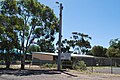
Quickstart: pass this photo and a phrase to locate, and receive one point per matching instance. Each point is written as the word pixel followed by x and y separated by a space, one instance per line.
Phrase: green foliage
pixel 23 21
pixel 80 65
pixel 65 46
pixel 8 6
pixel 80 40
pixel 115 43
pixel 112 52
pixel 114 49
pixel 34 48
pixel 9 30
pixel 99 51
pixel 47 65
pixel 45 45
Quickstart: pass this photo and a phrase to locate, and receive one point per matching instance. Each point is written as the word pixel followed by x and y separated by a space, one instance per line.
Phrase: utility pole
pixel 60 37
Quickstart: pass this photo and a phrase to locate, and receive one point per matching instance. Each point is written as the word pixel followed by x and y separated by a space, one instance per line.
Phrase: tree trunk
pixel 22 66
pixel 23 49
pixel 7 60
pixel 23 61
pixel 7 64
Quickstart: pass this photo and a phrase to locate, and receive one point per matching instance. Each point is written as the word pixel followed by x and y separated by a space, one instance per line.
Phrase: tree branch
pixel 32 29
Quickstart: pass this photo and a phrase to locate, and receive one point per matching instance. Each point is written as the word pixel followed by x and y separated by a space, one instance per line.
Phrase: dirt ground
pixel 54 75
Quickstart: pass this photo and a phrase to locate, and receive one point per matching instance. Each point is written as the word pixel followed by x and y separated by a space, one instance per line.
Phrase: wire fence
pixel 41 64
pixel 96 64
pixel 103 65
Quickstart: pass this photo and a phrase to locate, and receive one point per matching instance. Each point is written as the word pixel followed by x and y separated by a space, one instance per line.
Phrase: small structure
pixel 46 57
pixel 43 57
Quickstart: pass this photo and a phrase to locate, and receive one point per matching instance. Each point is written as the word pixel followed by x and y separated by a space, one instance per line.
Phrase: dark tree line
pixel 112 51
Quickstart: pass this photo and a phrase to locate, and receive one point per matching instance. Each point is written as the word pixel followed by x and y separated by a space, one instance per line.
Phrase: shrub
pixel 50 65
pixel 80 65
pixel 54 66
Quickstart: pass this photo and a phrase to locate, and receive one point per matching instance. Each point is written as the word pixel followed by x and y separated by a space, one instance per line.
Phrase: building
pixel 46 57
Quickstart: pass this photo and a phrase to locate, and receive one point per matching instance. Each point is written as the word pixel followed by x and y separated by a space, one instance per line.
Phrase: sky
pixel 100 19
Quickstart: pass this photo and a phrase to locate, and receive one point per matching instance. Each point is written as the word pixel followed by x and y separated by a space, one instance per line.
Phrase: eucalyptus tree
pixel 65 46
pixel 45 45
pixel 99 51
pixel 114 49
pixel 113 52
pixel 80 42
pixel 9 37
pixel 33 48
pixel 10 24
pixel 115 43
pixel 39 22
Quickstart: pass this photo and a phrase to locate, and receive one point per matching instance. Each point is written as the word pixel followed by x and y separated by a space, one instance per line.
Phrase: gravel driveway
pixel 54 75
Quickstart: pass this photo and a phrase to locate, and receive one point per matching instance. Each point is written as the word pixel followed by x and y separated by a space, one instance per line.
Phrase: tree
pixel 99 51
pixel 41 19
pixel 81 42
pixel 8 36
pixel 65 47
pixel 45 45
pixel 115 43
pixel 114 49
pixel 112 52
pixel 78 41
pixel 33 48
pixel 39 22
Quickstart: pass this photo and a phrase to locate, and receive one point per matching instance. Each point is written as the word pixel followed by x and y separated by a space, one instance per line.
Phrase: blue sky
pixel 100 19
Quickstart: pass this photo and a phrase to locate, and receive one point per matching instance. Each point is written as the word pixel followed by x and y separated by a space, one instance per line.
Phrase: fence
pixel 98 64
pixel 95 64
pixel 41 64
pixel 103 65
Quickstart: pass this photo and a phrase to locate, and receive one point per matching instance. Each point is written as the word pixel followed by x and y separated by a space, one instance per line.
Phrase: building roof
pixel 56 54
pixel 47 53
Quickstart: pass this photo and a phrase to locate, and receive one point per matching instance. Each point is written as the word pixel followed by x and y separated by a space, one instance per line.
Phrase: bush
pixel 50 65
pixel 54 66
pixel 80 65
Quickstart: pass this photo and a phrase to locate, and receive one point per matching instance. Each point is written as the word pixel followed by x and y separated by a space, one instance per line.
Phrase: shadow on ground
pixel 27 72
pixel 69 74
